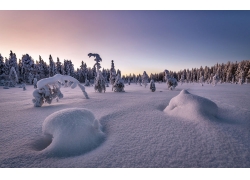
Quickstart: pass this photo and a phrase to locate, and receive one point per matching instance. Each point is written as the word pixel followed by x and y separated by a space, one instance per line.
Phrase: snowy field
pixel 133 129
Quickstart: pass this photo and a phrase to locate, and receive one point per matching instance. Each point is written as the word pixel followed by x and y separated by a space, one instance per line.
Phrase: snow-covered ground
pixel 135 128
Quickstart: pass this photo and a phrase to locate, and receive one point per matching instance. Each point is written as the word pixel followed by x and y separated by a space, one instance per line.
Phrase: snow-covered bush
pixel 215 80
pixel 49 89
pixel 99 82
pixel 171 81
pixel 201 80
pixel 118 85
pixel 112 73
pixel 99 79
pixel 74 131
pixel 144 78
pixel 152 85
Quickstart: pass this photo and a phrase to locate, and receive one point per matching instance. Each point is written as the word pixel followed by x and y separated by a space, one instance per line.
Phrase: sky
pixel 137 40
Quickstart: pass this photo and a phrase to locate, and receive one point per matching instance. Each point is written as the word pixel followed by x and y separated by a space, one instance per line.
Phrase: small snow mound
pixel 192 107
pixel 74 131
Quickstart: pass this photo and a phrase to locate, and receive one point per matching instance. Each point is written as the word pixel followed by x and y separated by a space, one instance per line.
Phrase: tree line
pixel 27 69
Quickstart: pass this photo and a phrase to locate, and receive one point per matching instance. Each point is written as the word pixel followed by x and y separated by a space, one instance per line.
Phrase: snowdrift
pixel 192 107
pixel 74 131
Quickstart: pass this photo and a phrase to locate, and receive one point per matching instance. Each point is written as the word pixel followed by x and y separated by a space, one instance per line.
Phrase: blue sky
pixel 137 41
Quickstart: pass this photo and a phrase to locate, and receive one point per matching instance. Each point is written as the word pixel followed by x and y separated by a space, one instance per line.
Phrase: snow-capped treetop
pixel 98 59
pixel 13 60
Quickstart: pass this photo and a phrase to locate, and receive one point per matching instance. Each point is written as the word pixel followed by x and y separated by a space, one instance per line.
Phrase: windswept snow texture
pixel 74 131
pixel 192 107
pixel 138 133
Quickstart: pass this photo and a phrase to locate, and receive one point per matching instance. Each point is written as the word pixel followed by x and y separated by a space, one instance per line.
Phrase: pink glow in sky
pixel 137 41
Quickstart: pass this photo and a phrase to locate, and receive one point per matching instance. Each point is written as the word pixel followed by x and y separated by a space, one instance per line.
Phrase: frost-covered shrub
pixel 144 78
pixel 49 89
pixel 171 81
pixel 99 82
pixel 118 85
pixel 215 80
pixel 201 80
pixel 152 85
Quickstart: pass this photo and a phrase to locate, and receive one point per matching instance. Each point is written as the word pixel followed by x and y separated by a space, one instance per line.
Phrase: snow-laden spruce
pixel 171 81
pixel 99 79
pixel 144 79
pixel 192 107
pixel 74 131
pixel 49 89
pixel 152 85
pixel 118 85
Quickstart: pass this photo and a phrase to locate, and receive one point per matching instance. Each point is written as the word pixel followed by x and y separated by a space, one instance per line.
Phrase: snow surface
pixel 192 107
pixel 72 131
pixel 138 132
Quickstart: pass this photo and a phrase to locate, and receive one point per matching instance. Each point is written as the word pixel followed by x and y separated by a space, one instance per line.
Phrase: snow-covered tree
pixel 67 67
pixel 27 69
pixel 13 61
pixel 112 73
pixel 152 85
pixel 182 79
pixel 171 82
pixel 145 78
pixel 139 79
pixel 215 80
pixel 49 89
pixel 201 80
pixel 59 68
pixel 118 85
pixel 99 80
pixel 52 67
pixel 13 77
pixel 1 64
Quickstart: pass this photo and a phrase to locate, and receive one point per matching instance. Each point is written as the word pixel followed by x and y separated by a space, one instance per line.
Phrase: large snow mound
pixel 192 107
pixel 74 131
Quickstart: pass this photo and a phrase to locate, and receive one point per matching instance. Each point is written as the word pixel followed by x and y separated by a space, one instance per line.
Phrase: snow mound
pixel 192 107
pixel 73 131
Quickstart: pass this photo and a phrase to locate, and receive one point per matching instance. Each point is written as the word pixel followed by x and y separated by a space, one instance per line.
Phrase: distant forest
pixel 27 69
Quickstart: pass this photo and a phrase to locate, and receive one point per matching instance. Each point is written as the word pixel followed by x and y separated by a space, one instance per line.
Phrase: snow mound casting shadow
pixel 192 107
pixel 74 131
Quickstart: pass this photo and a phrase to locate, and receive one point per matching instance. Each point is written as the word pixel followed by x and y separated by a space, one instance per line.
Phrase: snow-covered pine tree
pixel 52 67
pixel 58 66
pixel 6 67
pixel 215 80
pixel 99 79
pixel 1 65
pixel 13 77
pixel 83 72
pixel 152 85
pixel 13 61
pixel 112 73
pixel 118 85
pixel 67 67
pixel 145 79
pixel 139 80
pixel 248 76
pixel 171 81
pixel 201 80
pixel 182 79
pixel 27 68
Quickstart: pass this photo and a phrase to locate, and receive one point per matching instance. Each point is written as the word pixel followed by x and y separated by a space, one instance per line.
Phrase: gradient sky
pixel 137 41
